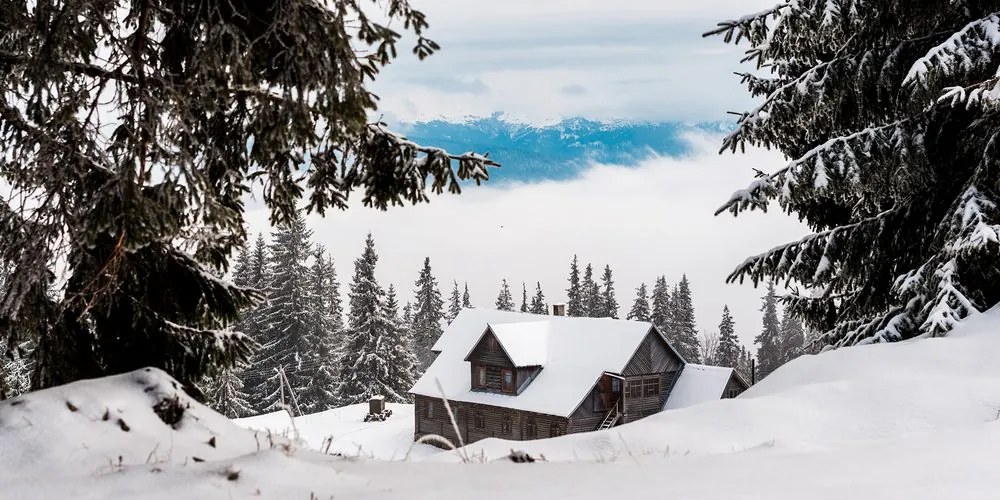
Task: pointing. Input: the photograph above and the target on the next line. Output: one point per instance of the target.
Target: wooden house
(521, 376)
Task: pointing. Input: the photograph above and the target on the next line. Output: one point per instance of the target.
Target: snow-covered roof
(574, 353)
(527, 344)
(698, 384)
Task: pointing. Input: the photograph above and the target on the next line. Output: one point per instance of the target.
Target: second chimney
(558, 309)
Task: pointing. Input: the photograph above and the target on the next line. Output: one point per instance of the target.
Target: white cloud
(644, 221)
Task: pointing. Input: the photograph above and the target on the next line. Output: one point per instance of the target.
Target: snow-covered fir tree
(683, 334)
(403, 364)
(792, 338)
(505, 301)
(747, 366)
(727, 353)
(574, 305)
(408, 315)
(255, 276)
(608, 302)
(428, 311)
(538, 305)
(15, 369)
(454, 303)
(285, 322)
(889, 113)
(466, 298)
(590, 294)
(372, 339)
(660, 313)
(325, 336)
(640, 307)
(224, 393)
(769, 342)
(524, 297)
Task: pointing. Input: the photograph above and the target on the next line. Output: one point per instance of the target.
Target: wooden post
(753, 371)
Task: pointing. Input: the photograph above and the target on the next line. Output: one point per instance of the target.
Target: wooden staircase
(612, 417)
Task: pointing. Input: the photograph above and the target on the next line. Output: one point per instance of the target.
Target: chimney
(558, 309)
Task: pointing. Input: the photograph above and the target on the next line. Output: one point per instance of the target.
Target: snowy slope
(344, 431)
(917, 420)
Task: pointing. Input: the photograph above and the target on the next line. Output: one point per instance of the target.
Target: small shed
(376, 405)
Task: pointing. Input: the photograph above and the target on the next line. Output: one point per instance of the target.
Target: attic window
(480, 376)
(508, 380)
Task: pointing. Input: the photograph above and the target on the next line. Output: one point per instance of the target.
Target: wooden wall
(653, 359)
(492, 420)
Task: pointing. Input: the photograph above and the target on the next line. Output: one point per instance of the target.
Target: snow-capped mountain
(557, 151)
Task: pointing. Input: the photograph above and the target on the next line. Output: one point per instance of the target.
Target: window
(429, 409)
(508, 380)
(651, 387)
(732, 393)
(635, 388)
(530, 429)
(505, 424)
(480, 420)
(555, 429)
(480, 376)
(616, 385)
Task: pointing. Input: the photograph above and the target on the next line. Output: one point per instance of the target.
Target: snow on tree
(575, 305)
(15, 369)
(727, 352)
(590, 294)
(466, 298)
(538, 305)
(792, 338)
(251, 323)
(286, 321)
(887, 112)
(139, 194)
(640, 307)
(660, 314)
(428, 312)
(769, 342)
(683, 335)
(505, 301)
(372, 339)
(524, 297)
(403, 363)
(224, 393)
(325, 336)
(455, 303)
(608, 302)
(746, 366)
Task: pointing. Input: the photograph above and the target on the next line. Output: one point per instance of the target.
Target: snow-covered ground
(343, 431)
(919, 419)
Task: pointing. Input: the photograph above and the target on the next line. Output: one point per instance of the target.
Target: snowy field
(916, 420)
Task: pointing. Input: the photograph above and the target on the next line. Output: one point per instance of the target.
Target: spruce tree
(324, 336)
(427, 315)
(574, 306)
(251, 323)
(455, 304)
(727, 353)
(466, 298)
(746, 366)
(538, 305)
(769, 355)
(792, 338)
(684, 334)
(286, 321)
(404, 367)
(225, 394)
(590, 294)
(524, 298)
(640, 308)
(505, 302)
(888, 112)
(372, 339)
(132, 132)
(660, 314)
(609, 304)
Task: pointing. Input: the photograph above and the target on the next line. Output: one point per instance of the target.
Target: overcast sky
(544, 60)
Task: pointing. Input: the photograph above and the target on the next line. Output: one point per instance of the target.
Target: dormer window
(508, 380)
(481, 376)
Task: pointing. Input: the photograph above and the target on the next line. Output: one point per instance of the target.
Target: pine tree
(403, 364)
(505, 302)
(640, 308)
(372, 339)
(225, 394)
(660, 314)
(286, 321)
(538, 305)
(428, 312)
(575, 306)
(894, 162)
(769, 355)
(455, 305)
(139, 194)
(684, 334)
(590, 294)
(324, 337)
(609, 304)
(466, 299)
(727, 353)
(15, 369)
(792, 338)
(524, 298)
(251, 323)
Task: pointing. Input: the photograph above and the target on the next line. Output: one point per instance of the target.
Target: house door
(610, 389)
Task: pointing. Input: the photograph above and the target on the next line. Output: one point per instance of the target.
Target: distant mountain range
(558, 151)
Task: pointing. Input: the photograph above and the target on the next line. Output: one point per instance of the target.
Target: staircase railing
(611, 417)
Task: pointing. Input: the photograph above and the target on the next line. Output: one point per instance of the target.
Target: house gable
(489, 351)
